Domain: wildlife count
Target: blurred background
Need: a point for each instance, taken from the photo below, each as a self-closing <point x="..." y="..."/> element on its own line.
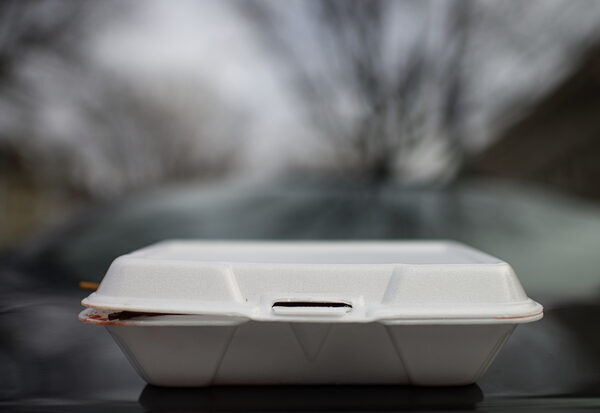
<point x="125" y="123"/>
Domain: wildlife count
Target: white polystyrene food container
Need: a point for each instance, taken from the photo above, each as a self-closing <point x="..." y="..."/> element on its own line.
<point x="190" y="313"/>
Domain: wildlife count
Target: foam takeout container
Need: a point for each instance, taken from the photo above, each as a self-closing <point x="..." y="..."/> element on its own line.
<point x="192" y="313"/>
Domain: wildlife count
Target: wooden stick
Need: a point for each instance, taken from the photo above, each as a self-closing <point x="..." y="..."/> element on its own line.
<point x="88" y="285"/>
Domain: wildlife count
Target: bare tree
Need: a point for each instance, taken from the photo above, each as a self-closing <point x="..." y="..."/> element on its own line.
<point x="116" y="137"/>
<point x="395" y="89"/>
<point x="71" y="132"/>
<point x="142" y="140"/>
<point x="29" y="26"/>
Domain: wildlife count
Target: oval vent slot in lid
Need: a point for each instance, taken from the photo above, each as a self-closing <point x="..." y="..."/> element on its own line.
<point x="311" y="307"/>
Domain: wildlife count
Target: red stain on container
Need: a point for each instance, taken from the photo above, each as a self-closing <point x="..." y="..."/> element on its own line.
<point x="96" y="317"/>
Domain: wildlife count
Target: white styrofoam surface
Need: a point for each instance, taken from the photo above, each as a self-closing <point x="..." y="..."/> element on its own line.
<point x="393" y="281"/>
<point x="310" y="312"/>
<point x="305" y="353"/>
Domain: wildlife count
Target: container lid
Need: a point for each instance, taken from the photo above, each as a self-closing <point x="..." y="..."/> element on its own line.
<point x="427" y="282"/>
